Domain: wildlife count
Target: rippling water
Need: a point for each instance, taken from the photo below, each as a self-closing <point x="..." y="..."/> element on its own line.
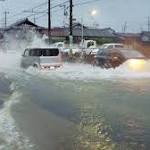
<point x="75" y="107"/>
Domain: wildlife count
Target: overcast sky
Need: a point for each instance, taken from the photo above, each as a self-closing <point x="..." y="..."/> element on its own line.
<point x="111" y="13"/>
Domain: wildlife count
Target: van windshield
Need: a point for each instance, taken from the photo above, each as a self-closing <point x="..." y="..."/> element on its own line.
<point x="44" y="52"/>
<point x="35" y="52"/>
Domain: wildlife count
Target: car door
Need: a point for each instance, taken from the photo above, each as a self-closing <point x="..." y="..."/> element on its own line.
<point x="25" y="58"/>
<point x="29" y="58"/>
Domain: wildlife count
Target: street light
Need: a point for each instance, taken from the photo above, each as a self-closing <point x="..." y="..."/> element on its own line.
<point x="82" y="32"/>
<point x="94" y="12"/>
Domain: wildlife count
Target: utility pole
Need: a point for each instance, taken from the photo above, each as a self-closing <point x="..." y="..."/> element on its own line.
<point x="71" y="25"/>
<point x="65" y="13"/>
<point x="82" y="32"/>
<point x="148" y="24"/>
<point x="49" y="20"/>
<point x="34" y="17"/>
<point x="34" y="13"/>
<point x="6" y="12"/>
<point x="2" y="0"/>
<point x="124" y="28"/>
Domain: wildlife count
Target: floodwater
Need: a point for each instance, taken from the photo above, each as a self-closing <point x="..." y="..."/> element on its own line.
<point x="77" y="107"/>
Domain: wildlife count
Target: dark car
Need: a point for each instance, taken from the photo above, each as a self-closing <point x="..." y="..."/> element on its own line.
<point x="112" y="58"/>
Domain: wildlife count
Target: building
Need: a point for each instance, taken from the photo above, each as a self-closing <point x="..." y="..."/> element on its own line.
<point x="62" y="33"/>
<point x="20" y="29"/>
<point x="139" y="41"/>
<point x="18" y="34"/>
<point x="24" y="30"/>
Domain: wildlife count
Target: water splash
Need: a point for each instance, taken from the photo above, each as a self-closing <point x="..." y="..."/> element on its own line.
<point x="10" y="135"/>
<point x="10" y="63"/>
<point x="88" y="73"/>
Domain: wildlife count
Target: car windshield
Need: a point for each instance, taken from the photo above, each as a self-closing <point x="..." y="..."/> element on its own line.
<point x="104" y="46"/>
<point x="44" y="52"/>
<point x="119" y="46"/>
<point x="132" y="54"/>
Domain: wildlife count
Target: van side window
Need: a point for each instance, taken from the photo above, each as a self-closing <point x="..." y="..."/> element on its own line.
<point x="50" y="52"/>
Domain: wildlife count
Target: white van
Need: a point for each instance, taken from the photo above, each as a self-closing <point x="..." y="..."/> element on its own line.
<point x="42" y="58"/>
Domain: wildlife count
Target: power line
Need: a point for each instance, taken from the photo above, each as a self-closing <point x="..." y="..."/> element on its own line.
<point x="86" y="2"/>
<point x="35" y="7"/>
<point x="20" y="13"/>
<point x="62" y="4"/>
<point x="38" y="6"/>
<point x="45" y="11"/>
<point x="37" y="13"/>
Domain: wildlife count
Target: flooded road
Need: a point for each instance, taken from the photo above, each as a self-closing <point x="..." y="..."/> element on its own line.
<point x="76" y="107"/>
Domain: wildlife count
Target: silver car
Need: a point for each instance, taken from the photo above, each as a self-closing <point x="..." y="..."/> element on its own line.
<point x="42" y="58"/>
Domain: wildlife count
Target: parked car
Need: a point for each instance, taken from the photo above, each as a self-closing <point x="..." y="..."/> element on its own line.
<point x="60" y="45"/>
<point x="42" y="58"/>
<point x="112" y="45"/>
<point x="93" y="51"/>
<point x="112" y="58"/>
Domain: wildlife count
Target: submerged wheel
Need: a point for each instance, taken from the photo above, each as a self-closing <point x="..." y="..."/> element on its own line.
<point x="116" y="60"/>
<point x="36" y="66"/>
<point x="100" y="63"/>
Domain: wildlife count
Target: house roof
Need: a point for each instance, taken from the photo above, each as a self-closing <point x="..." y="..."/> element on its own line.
<point x="24" y="21"/>
<point x="107" y="32"/>
<point x="128" y="34"/>
<point x="79" y="25"/>
<point x="88" y="32"/>
<point x="19" y="23"/>
<point x="64" y="32"/>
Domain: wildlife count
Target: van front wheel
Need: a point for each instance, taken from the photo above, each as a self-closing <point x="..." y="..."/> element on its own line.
<point x="36" y="66"/>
